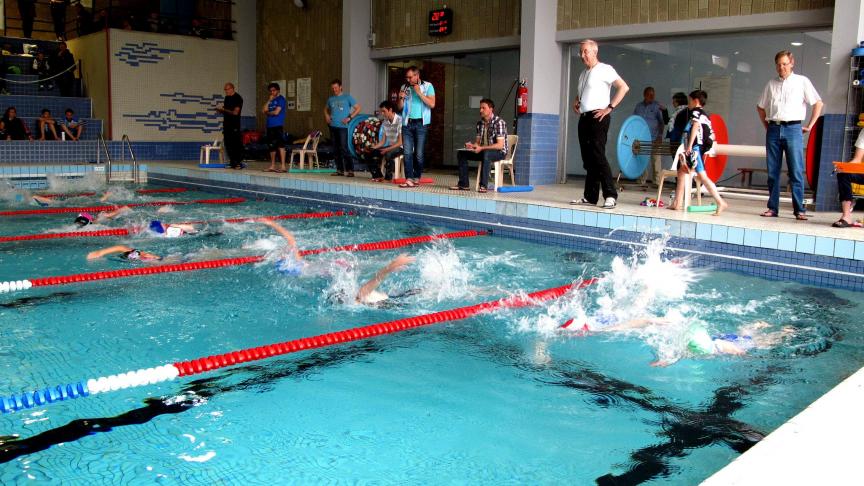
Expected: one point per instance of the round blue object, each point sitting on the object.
(858, 52)
(515, 188)
(352, 125)
(634, 130)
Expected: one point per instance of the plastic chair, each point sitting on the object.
(310, 149)
(673, 172)
(204, 154)
(497, 170)
(398, 166)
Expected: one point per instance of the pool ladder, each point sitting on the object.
(124, 144)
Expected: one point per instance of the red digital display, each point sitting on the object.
(441, 21)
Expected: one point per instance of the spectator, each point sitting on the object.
(677, 121)
(781, 109)
(58, 15)
(47, 126)
(71, 125)
(42, 68)
(389, 146)
(652, 113)
(340, 109)
(3, 134)
(416, 100)
(844, 186)
(153, 22)
(594, 107)
(64, 65)
(83, 20)
(275, 111)
(15, 128)
(27, 9)
(230, 109)
(490, 145)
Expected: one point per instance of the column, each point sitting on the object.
(359, 72)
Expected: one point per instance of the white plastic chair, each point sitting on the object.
(204, 155)
(398, 166)
(310, 149)
(497, 170)
(673, 172)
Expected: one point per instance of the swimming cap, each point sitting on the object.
(83, 219)
(132, 255)
(156, 226)
(289, 266)
(699, 341)
(173, 232)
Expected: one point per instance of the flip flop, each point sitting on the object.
(407, 184)
(458, 188)
(482, 190)
(841, 223)
(801, 217)
(769, 214)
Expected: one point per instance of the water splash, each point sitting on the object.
(443, 275)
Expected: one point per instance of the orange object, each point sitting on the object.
(849, 167)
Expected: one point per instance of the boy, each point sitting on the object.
(698, 139)
(71, 125)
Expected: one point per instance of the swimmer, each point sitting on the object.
(85, 218)
(291, 262)
(170, 230)
(126, 253)
(368, 293)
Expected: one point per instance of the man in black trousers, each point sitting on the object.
(231, 109)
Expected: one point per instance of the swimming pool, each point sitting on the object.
(504, 396)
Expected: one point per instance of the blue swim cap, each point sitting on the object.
(156, 226)
(290, 267)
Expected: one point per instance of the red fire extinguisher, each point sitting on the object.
(522, 98)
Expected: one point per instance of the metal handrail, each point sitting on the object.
(107, 158)
(136, 173)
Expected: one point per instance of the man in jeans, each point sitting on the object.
(389, 146)
(340, 109)
(782, 109)
(490, 145)
(416, 100)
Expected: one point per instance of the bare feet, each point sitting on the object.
(672, 207)
(721, 206)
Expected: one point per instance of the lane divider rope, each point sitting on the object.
(16, 285)
(168, 372)
(24, 212)
(134, 230)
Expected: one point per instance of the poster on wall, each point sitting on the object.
(167, 87)
(304, 94)
(290, 89)
(281, 83)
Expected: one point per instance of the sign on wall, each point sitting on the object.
(304, 94)
(166, 87)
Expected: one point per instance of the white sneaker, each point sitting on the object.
(610, 203)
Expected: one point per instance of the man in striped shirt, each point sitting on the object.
(490, 145)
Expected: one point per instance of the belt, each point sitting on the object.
(415, 120)
(784, 123)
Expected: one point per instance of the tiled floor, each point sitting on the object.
(742, 213)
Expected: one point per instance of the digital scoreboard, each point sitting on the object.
(441, 21)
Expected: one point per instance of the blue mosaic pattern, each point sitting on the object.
(770, 254)
(144, 53)
(205, 101)
(28, 153)
(207, 122)
(31, 106)
(536, 159)
(832, 149)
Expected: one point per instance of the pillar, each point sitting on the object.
(359, 72)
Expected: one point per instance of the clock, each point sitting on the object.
(441, 21)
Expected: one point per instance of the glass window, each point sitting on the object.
(732, 69)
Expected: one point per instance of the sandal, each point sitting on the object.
(458, 188)
(482, 190)
(407, 183)
(801, 217)
(841, 223)
(769, 214)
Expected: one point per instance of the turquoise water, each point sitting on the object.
(503, 397)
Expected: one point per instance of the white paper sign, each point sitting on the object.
(290, 89)
(304, 94)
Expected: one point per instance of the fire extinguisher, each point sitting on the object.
(522, 98)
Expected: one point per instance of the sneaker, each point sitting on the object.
(610, 203)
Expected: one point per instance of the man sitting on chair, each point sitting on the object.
(489, 146)
(389, 146)
(844, 186)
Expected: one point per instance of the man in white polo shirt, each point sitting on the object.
(782, 108)
(594, 106)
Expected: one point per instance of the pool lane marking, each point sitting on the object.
(111, 207)
(137, 229)
(536, 230)
(168, 372)
(15, 285)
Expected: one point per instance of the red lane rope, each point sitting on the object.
(139, 191)
(129, 231)
(214, 362)
(20, 212)
(226, 262)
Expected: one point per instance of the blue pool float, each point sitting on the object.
(515, 188)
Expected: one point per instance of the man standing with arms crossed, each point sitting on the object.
(781, 109)
(594, 106)
(416, 100)
(274, 108)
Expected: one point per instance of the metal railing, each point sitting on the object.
(125, 143)
(104, 146)
(136, 172)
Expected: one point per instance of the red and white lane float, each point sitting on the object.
(16, 285)
(139, 191)
(26, 212)
(168, 372)
(134, 230)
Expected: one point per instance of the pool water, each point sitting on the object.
(505, 396)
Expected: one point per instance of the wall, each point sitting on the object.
(165, 87)
(91, 50)
(244, 15)
(299, 43)
(400, 23)
(580, 14)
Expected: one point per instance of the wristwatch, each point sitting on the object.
(610, 106)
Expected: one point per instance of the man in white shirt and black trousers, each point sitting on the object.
(594, 106)
(781, 109)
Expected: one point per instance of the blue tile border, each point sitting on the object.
(767, 254)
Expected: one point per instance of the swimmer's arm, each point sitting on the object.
(104, 196)
(113, 214)
(725, 347)
(397, 263)
(93, 255)
(43, 200)
(635, 324)
(289, 238)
